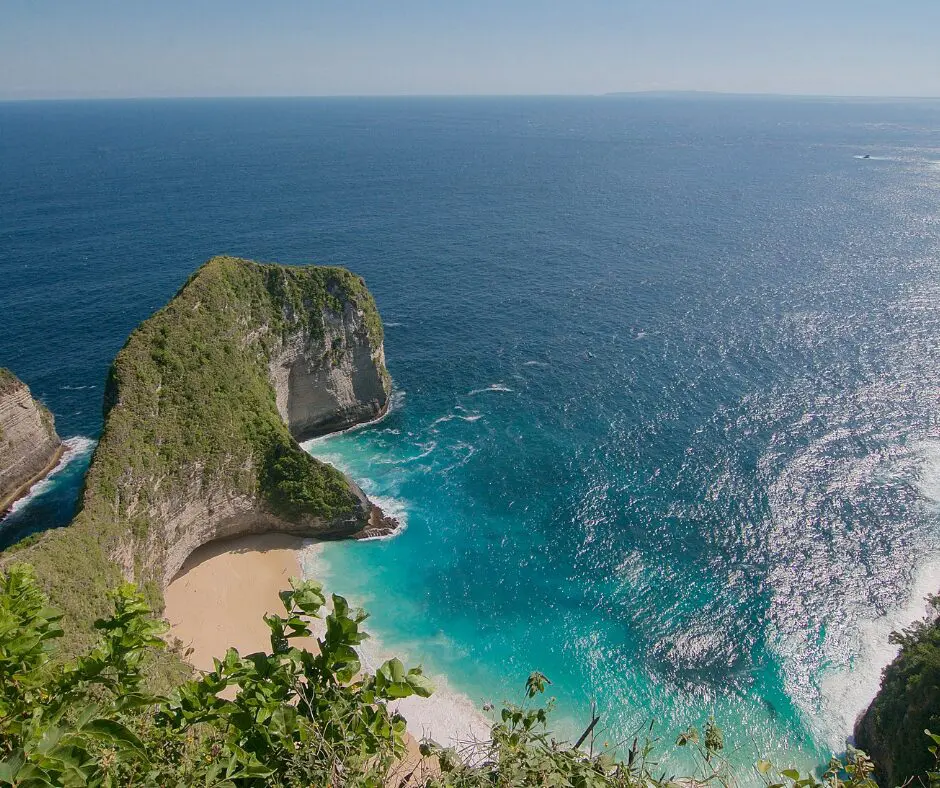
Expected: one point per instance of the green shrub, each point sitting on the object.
(287, 717)
(295, 719)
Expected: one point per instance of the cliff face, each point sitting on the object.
(331, 382)
(29, 446)
(203, 408)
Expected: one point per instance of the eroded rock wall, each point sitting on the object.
(330, 383)
(29, 446)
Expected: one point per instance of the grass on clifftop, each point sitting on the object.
(7, 380)
(189, 406)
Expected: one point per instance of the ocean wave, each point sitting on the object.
(468, 451)
(468, 417)
(426, 449)
(495, 387)
(832, 637)
(927, 482)
(75, 448)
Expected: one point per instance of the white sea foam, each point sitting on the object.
(536, 364)
(392, 507)
(497, 387)
(927, 482)
(468, 417)
(846, 693)
(449, 717)
(426, 449)
(75, 448)
(463, 452)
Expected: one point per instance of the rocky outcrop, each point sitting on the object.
(29, 446)
(204, 406)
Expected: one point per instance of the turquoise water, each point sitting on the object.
(666, 411)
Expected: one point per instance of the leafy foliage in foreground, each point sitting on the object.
(295, 718)
(287, 717)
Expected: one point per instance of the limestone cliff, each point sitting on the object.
(203, 409)
(29, 446)
(319, 392)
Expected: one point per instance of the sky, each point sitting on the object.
(139, 48)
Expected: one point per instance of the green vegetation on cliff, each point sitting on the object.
(7, 379)
(187, 388)
(189, 406)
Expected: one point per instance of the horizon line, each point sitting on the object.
(608, 94)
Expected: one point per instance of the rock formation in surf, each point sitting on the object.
(203, 409)
(29, 446)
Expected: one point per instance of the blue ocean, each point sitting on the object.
(666, 420)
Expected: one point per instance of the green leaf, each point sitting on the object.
(50, 738)
(392, 670)
(763, 766)
(114, 732)
(790, 774)
(11, 767)
(420, 684)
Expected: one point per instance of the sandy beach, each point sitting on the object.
(224, 589)
(221, 594)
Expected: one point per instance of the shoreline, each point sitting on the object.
(6, 504)
(219, 598)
